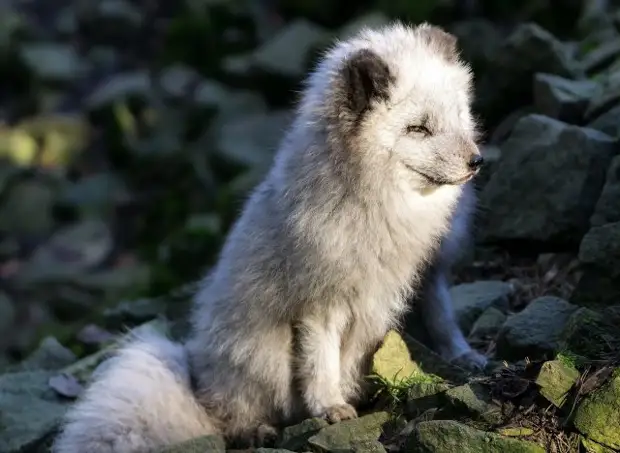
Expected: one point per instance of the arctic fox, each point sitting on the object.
(366, 203)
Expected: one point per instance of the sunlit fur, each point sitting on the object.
(361, 211)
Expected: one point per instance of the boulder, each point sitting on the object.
(507, 84)
(470, 300)
(296, 437)
(608, 122)
(50, 355)
(561, 98)
(30, 411)
(555, 379)
(607, 209)
(439, 436)
(546, 184)
(599, 255)
(392, 362)
(598, 415)
(536, 331)
(474, 400)
(488, 324)
(350, 435)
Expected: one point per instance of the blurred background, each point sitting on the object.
(131, 131)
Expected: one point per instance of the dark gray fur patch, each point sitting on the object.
(366, 78)
(442, 41)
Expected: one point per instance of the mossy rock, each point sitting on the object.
(591, 335)
(392, 362)
(598, 416)
(439, 436)
(474, 400)
(296, 437)
(555, 379)
(350, 434)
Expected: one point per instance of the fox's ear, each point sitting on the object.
(446, 44)
(366, 77)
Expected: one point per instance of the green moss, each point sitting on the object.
(598, 416)
(555, 380)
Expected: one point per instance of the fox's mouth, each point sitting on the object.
(443, 181)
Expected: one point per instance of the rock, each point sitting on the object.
(607, 97)
(563, 99)
(529, 49)
(83, 369)
(53, 62)
(271, 450)
(601, 57)
(594, 447)
(392, 362)
(119, 88)
(50, 355)
(608, 122)
(29, 411)
(432, 364)
(535, 331)
(599, 255)
(516, 432)
(598, 415)
(424, 395)
(7, 312)
(546, 184)
(470, 300)
(607, 209)
(134, 312)
(95, 195)
(479, 39)
(285, 54)
(252, 139)
(349, 435)
(488, 324)
(203, 444)
(491, 154)
(439, 436)
(92, 334)
(591, 335)
(555, 379)
(474, 400)
(70, 251)
(228, 103)
(27, 208)
(296, 437)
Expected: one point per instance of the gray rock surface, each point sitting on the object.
(561, 98)
(547, 182)
(470, 300)
(536, 330)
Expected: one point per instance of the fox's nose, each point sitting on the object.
(475, 162)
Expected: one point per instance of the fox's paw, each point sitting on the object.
(339, 412)
(262, 436)
(265, 436)
(472, 361)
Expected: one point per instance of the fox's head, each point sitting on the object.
(400, 97)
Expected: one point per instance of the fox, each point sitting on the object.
(366, 205)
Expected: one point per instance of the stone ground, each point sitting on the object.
(131, 131)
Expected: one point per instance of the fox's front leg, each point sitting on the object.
(318, 365)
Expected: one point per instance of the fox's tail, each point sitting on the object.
(140, 401)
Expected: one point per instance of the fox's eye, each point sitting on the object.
(418, 129)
